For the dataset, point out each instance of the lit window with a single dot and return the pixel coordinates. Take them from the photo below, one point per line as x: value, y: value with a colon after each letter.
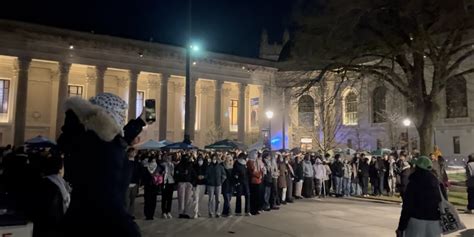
x: 254, y: 103
x: 456, y: 145
x: 306, y: 144
x: 350, y: 109
x: 74, y: 90
x: 349, y: 143
x: 4, y: 95
x: 140, y: 102
x: 233, y: 111
x: 306, y: 111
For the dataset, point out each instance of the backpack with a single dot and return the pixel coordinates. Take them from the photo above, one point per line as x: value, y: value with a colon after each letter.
x: 157, y: 179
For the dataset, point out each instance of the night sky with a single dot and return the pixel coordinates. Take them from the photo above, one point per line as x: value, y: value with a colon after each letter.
x: 227, y: 26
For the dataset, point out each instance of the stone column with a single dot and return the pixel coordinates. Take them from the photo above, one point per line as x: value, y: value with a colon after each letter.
x: 241, y: 113
x: 62, y: 94
x: 192, y: 114
x: 218, y: 104
x: 21, y: 99
x: 100, y: 77
x: 132, y: 94
x: 163, y: 106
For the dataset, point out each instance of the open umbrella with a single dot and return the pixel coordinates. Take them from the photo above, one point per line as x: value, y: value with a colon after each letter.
x: 40, y: 141
x: 180, y: 146
x: 226, y: 145
x: 151, y: 145
x: 382, y: 151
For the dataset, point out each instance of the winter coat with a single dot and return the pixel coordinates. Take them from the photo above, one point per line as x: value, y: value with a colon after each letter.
x: 337, y: 169
x: 240, y: 173
x: 215, y: 175
x: 319, y: 170
x: 168, y: 172
x: 201, y: 170
x: 283, y: 173
x: 268, y: 177
x: 49, y: 212
x: 274, y: 167
x: 355, y: 169
x: 422, y: 198
x: 308, y: 171
x: 185, y: 173
x: 470, y: 175
x: 364, y: 169
x: 380, y: 167
x: 439, y: 170
x: 347, y: 171
x: 97, y: 168
x: 147, y: 179
x: 255, y: 170
x: 135, y: 171
x: 227, y: 186
x: 298, y: 168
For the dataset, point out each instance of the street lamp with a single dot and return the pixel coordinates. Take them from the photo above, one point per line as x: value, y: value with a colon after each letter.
x: 407, y: 123
x: 269, y: 115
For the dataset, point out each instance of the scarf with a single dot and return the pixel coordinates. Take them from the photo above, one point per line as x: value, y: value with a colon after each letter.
x: 152, y: 167
x: 59, y: 181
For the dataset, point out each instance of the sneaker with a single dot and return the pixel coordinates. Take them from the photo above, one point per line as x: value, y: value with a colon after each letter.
x: 169, y: 216
x: 218, y: 216
x: 211, y: 216
x: 275, y: 208
x: 248, y: 214
x: 164, y: 216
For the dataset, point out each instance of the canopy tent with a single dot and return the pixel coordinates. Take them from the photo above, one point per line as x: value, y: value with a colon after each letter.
x: 382, y: 151
x: 165, y: 142
x: 256, y: 146
x: 151, y: 145
x: 40, y: 141
x: 180, y: 146
x: 226, y: 145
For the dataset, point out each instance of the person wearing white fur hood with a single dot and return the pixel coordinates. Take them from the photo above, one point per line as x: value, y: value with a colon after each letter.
x: 94, y: 140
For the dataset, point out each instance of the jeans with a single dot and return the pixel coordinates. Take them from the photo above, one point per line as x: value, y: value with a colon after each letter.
x: 392, y: 185
x: 356, y: 189
x: 198, y: 195
x: 266, y: 199
x: 337, y: 185
x: 298, y: 188
x: 289, y: 191
x: 130, y: 199
x: 346, y: 186
x: 274, y: 197
x: 227, y: 198
x: 242, y: 189
x: 185, y: 200
x: 381, y: 184
x: 283, y: 194
x: 319, y: 188
x: 214, y: 193
x: 167, y: 198
x: 365, y: 185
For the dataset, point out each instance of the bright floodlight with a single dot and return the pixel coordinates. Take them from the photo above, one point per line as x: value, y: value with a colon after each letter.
x: 407, y: 122
x: 269, y: 114
x: 194, y: 47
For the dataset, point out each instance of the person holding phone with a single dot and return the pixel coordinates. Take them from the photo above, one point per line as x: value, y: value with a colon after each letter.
x: 94, y: 139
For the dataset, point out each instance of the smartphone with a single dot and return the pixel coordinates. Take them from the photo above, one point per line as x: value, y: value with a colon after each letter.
x: 150, y: 110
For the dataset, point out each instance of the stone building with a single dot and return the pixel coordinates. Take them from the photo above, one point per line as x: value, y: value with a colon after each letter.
x: 40, y: 67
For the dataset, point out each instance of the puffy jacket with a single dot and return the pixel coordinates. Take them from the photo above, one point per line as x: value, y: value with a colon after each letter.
x: 308, y: 171
x: 364, y: 169
x: 283, y: 173
x: 298, y: 168
x: 337, y: 169
x: 422, y: 198
x: 215, y: 175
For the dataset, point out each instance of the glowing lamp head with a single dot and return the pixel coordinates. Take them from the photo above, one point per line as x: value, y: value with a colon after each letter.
x: 407, y: 122
x: 269, y: 114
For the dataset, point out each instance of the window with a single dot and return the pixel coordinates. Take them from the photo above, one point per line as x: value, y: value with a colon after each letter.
x: 456, y: 98
x: 73, y: 90
x: 306, y: 144
x: 4, y: 95
x: 350, y: 109
x: 233, y: 111
x: 140, y: 102
x: 349, y: 143
x: 456, y: 145
x: 254, y: 103
x: 306, y: 111
x: 378, y: 104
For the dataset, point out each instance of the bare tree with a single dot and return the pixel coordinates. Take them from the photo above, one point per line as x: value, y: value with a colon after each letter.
x: 417, y: 46
x: 214, y: 134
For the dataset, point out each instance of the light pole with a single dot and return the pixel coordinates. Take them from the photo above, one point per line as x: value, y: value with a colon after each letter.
x: 187, y: 93
x: 269, y: 115
x: 407, y: 123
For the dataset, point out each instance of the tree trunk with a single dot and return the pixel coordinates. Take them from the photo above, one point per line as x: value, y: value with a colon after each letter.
x: 424, y: 125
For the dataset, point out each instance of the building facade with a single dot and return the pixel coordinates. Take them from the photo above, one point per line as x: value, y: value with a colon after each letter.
x: 40, y: 67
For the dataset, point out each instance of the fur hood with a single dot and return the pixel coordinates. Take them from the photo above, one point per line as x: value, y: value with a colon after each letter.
x: 94, y: 118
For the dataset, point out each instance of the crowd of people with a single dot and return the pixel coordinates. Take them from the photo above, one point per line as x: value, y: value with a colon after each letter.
x: 103, y: 174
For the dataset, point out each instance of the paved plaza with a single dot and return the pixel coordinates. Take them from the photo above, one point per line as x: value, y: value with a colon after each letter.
x: 328, y: 217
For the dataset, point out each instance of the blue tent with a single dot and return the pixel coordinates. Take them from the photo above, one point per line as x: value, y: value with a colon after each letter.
x: 226, y: 145
x: 40, y: 141
x: 151, y: 145
x: 180, y: 146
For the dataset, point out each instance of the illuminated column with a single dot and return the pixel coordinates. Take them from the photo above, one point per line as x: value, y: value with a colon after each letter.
x: 164, y: 106
x: 241, y: 113
x: 21, y: 93
x: 132, y: 94
x: 62, y: 94
x: 100, y: 75
x: 218, y: 104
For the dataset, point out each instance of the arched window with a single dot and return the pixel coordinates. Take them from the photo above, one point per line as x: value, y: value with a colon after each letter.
x: 306, y: 111
x: 350, y: 109
x: 379, y: 105
x: 456, y: 98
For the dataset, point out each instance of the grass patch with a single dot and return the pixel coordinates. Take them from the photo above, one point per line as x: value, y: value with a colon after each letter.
x: 459, y: 199
x: 457, y: 177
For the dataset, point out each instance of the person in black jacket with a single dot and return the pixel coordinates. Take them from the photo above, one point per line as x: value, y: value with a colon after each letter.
x: 228, y: 185
x: 135, y: 175
x: 241, y: 177
x: 152, y: 181
x: 364, y: 173
x: 186, y: 178
x: 381, y: 169
x: 215, y: 176
x: 374, y: 178
x: 94, y: 142
x: 200, y: 167
x: 404, y: 171
x: 298, y: 181
x: 420, y: 212
x: 337, y: 170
